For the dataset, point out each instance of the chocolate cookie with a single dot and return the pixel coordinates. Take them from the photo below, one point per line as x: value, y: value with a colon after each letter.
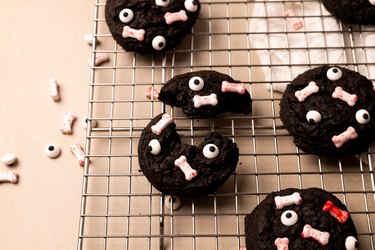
x: 330, y: 111
x: 352, y: 11
x: 150, y: 26
x: 206, y: 94
x: 181, y: 169
x: 300, y: 219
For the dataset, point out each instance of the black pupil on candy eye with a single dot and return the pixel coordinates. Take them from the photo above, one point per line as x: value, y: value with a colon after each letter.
x: 335, y: 70
x: 288, y: 215
x: 161, y: 44
x: 356, y: 244
x: 311, y: 121
x: 51, y: 148
x: 196, y: 81
x: 149, y: 148
x: 172, y: 199
x: 194, y: 2
x: 212, y: 148
x: 126, y: 14
x: 365, y: 116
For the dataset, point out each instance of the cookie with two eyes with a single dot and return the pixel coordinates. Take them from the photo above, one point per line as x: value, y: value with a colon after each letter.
x: 300, y: 219
x: 352, y: 11
x: 150, y: 26
x: 180, y: 169
x: 330, y: 111
x: 206, y: 93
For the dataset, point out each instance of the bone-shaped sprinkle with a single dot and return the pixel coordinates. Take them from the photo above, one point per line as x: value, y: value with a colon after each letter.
x: 310, y: 89
x: 138, y: 34
x: 344, y: 137
x: 11, y: 177
x: 77, y: 151
x: 296, y: 22
x: 152, y: 93
x: 182, y: 163
x: 337, y: 213
x: 233, y: 87
x: 161, y: 124
x: 283, y: 201
x: 175, y: 17
x: 66, y: 127
x: 282, y: 243
x: 200, y: 101
x: 341, y: 94
x: 319, y: 236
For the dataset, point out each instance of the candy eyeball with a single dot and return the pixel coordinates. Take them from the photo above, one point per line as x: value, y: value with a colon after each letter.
x: 313, y: 117
x: 191, y: 5
x: 162, y: 3
x: 196, y: 83
x: 210, y: 151
x: 372, y: 2
x: 52, y: 150
x: 159, y: 42
x: 85, y: 122
x: 172, y: 202
x: 126, y: 15
x: 154, y: 147
x: 362, y: 116
x: 289, y: 218
x: 351, y: 243
x: 334, y: 74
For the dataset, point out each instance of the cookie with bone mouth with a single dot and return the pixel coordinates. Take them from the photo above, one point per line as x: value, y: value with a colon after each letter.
x: 180, y: 169
x: 150, y: 26
x: 330, y: 111
x: 300, y: 219
x: 206, y: 93
x: 352, y: 11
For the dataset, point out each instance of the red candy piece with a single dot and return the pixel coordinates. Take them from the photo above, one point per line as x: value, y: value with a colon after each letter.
x: 336, y: 212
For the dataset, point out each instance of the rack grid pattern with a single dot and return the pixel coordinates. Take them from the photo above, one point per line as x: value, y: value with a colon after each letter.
x: 253, y: 41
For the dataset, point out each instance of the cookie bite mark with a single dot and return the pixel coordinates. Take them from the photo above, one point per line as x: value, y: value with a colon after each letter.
x: 310, y: 89
x: 162, y: 124
x: 341, y: 94
x: 315, y: 234
x: 208, y: 100
x: 337, y: 213
x: 233, y: 87
x: 175, y: 17
x: 282, y: 243
x: 344, y: 137
x: 182, y: 164
x: 287, y: 200
x: 138, y: 34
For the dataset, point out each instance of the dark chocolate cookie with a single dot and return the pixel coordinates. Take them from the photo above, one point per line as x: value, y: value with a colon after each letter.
x: 352, y: 11
x: 150, y: 26
x: 206, y: 94
x: 300, y: 219
x: 181, y: 169
x: 330, y: 111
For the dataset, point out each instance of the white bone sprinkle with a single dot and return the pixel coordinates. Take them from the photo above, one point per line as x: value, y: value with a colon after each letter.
x: 138, y: 34
x: 162, y: 124
x: 310, y: 89
x: 233, y: 87
x: 54, y: 90
x: 287, y: 200
x: 282, y: 243
x: 77, y: 151
x: 344, y: 137
x: 341, y: 94
x: 175, y: 17
x: 11, y: 177
x: 200, y: 101
x: 182, y: 163
x: 319, y: 236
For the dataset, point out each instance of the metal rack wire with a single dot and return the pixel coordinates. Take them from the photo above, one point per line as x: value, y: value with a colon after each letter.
x: 251, y: 41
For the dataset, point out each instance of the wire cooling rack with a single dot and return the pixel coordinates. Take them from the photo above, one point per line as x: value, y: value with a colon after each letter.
x: 253, y: 41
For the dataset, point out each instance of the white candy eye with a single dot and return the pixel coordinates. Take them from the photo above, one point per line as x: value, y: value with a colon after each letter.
x: 362, y: 116
x: 126, y: 15
x: 372, y: 2
x: 159, y: 42
x: 210, y: 151
x: 289, y: 218
x: 172, y: 202
x: 154, y: 147
x: 196, y: 83
x: 334, y: 74
x: 52, y: 150
x: 191, y: 5
x: 162, y: 3
x: 313, y: 117
x: 351, y: 243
